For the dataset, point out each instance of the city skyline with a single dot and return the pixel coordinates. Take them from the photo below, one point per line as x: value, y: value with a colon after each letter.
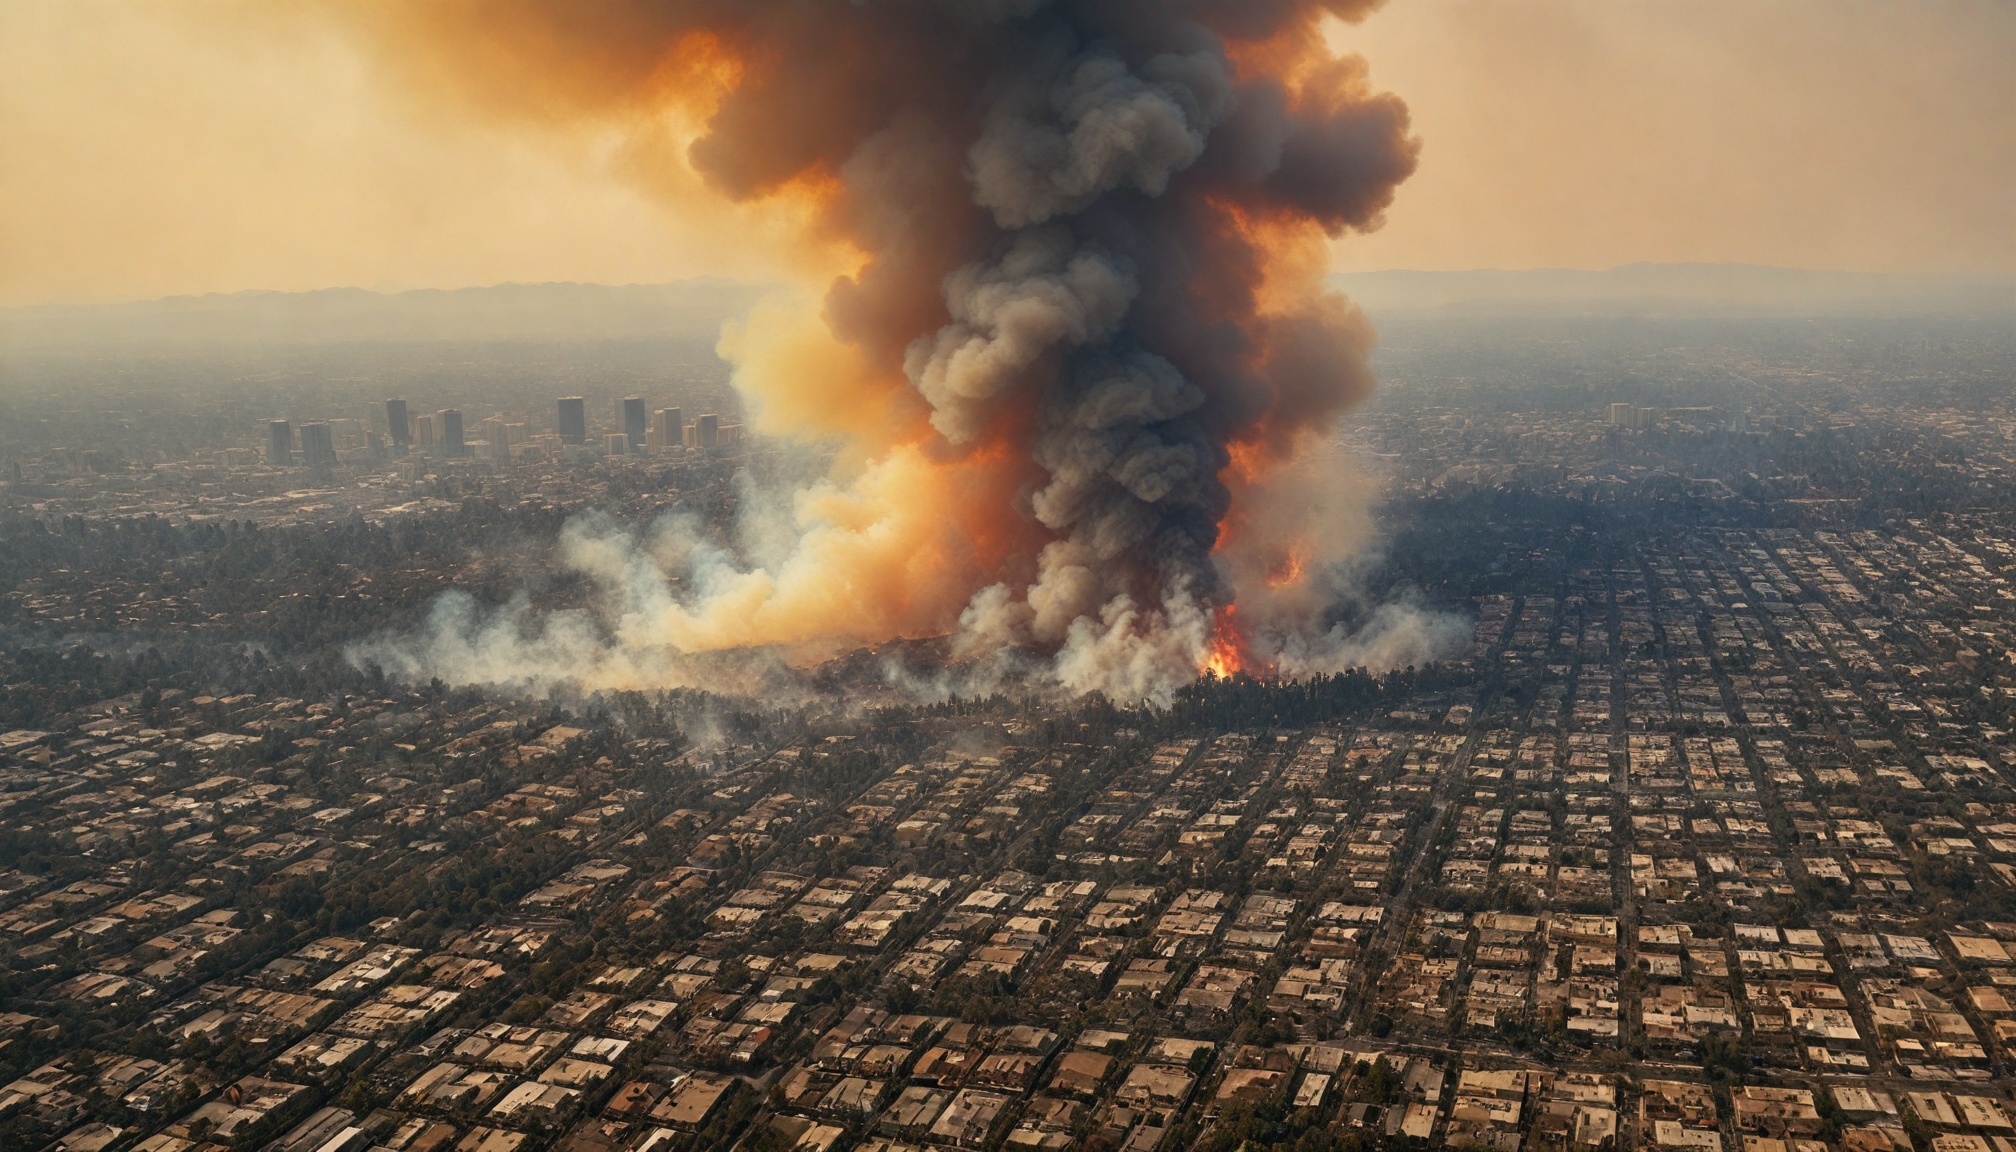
x: 1696, y: 831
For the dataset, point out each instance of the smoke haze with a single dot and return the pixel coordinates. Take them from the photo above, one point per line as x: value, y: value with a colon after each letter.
x: 159, y: 148
x: 1075, y: 354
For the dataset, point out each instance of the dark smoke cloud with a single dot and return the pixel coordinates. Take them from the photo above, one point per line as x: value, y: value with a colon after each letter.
x: 1093, y: 238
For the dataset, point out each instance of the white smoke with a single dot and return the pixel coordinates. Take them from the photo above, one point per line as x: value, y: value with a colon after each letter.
x: 1135, y: 653
x: 650, y: 587
x: 1300, y: 570
x: 1399, y: 634
x: 615, y: 643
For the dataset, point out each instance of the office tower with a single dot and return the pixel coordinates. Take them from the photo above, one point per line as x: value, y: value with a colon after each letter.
x: 573, y: 420
x: 727, y: 435
x: 634, y: 422
x: 1620, y: 415
x: 397, y: 424
x: 318, y: 444
x: 616, y: 444
x: 670, y: 431
x: 706, y: 430
x: 279, y: 444
x: 423, y: 431
x: 501, y: 435
x: 451, y: 431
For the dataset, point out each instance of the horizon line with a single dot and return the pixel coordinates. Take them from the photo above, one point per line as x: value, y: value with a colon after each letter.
x: 389, y: 290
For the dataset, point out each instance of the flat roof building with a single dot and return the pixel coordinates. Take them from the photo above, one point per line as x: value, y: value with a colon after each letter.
x: 318, y: 444
x: 635, y: 422
x: 571, y: 418
x: 451, y: 431
x: 669, y: 430
x: 398, y: 425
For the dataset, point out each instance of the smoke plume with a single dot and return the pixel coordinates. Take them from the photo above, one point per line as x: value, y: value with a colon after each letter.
x: 1077, y: 357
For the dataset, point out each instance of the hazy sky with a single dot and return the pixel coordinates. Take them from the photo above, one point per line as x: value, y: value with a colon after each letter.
x: 147, y: 148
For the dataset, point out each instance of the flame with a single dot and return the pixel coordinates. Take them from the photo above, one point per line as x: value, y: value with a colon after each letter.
x: 1227, y: 657
x: 1231, y: 653
x: 1248, y: 462
x: 1288, y: 571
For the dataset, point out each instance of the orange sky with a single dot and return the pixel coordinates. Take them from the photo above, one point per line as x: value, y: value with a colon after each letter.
x: 147, y: 148
x: 1866, y: 135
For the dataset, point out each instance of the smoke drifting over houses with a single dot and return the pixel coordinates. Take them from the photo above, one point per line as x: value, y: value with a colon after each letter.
x: 1075, y: 349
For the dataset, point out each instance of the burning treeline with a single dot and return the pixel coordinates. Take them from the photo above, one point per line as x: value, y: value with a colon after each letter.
x: 1077, y: 348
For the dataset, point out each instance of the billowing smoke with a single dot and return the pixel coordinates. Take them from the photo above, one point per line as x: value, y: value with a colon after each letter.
x: 1078, y: 343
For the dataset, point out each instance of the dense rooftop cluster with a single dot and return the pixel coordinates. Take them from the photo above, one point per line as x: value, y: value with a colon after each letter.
x: 1705, y: 841
x: 1671, y: 858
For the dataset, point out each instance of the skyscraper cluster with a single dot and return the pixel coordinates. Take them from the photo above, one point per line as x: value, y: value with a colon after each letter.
x: 636, y: 429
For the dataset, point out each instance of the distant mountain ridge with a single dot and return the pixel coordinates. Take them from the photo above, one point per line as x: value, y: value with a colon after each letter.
x: 1703, y: 290
x: 498, y: 313
x: 694, y: 309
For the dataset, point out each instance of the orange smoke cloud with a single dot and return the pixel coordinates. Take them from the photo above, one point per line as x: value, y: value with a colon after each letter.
x: 1073, y: 332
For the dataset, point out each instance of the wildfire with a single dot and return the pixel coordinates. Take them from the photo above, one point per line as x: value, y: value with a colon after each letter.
x: 1227, y: 658
x: 1003, y: 380
x: 1288, y: 571
x: 1249, y: 461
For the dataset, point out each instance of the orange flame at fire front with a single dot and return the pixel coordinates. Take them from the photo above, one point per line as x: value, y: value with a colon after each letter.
x: 1227, y: 656
x: 1231, y: 654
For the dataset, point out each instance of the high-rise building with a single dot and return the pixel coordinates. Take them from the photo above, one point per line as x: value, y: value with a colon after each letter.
x: 423, y: 431
x: 279, y: 444
x: 670, y: 430
x: 318, y: 444
x: 397, y: 424
x: 500, y: 435
x: 451, y: 431
x: 1620, y: 414
x: 707, y: 430
x: 616, y: 444
x: 634, y: 421
x: 572, y: 420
